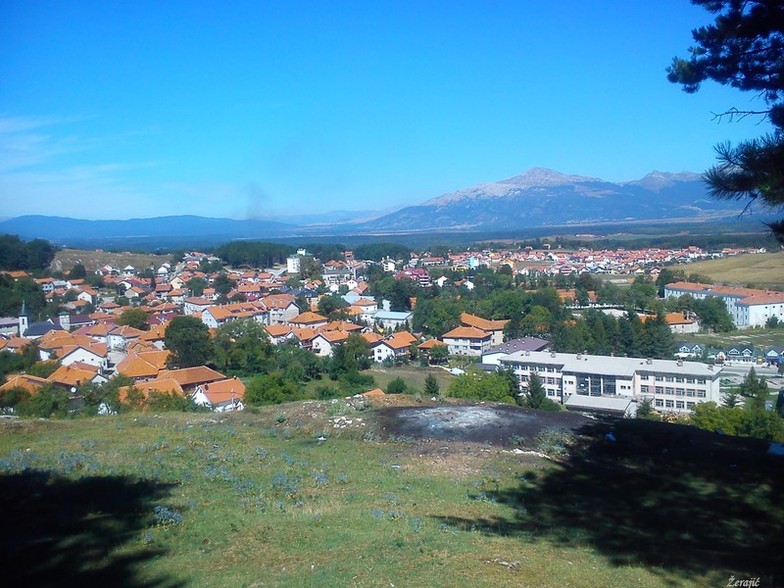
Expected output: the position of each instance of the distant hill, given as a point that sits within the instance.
(539, 198)
(543, 197)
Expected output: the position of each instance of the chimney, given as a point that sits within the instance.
(680, 363)
(649, 361)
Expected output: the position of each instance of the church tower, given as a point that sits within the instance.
(24, 320)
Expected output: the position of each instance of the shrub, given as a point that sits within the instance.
(396, 386)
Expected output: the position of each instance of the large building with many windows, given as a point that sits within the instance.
(748, 307)
(670, 385)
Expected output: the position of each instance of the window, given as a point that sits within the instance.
(690, 405)
(669, 391)
(701, 380)
(690, 393)
(700, 393)
(659, 402)
(668, 403)
(689, 380)
(679, 380)
(680, 392)
(679, 404)
(659, 389)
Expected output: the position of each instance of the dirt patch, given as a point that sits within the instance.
(479, 423)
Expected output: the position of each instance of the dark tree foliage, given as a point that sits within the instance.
(15, 254)
(744, 49)
(431, 386)
(134, 317)
(378, 251)
(253, 253)
(188, 341)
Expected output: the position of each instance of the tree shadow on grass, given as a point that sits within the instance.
(683, 502)
(57, 531)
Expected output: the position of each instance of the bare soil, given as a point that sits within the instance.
(478, 423)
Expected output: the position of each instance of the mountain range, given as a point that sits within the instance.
(537, 198)
(543, 197)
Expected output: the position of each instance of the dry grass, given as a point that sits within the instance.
(763, 270)
(65, 259)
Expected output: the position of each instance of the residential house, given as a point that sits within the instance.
(494, 327)
(395, 347)
(221, 396)
(324, 342)
(467, 341)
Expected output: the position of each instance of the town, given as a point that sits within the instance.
(472, 312)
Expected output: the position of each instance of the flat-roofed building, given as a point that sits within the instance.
(670, 385)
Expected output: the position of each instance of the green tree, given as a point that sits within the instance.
(10, 398)
(431, 386)
(536, 392)
(754, 389)
(188, 341)
(196, 286)
(134, 317)
(744, 49)
(223, 285)
(645, 410)
(396, 386)
(731, 398)
(332, 305)
(269, 389)
(77, 272)
(438, 355)
(242, 347)
(713, 314)
(50, 401)
(480, 386)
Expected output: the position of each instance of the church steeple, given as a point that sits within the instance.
(24, 319)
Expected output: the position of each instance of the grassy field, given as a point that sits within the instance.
(308, 494)
(763, 270)
(65, 259)
(413, 376)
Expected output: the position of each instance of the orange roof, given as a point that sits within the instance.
(677, 318)
(278, 300)
(308, 318)
(30, 383)
(277, 330)
(71, 375)
(224, 390)
(484, 324)
(371, 337)
(191, 376)
(333, 336)
(430, 343)
(145, 364)
(466, 333)
(342, 326)
(400, 340)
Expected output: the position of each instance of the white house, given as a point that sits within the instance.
(221, 396)
(467, 341)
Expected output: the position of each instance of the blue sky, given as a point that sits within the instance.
(259, 109)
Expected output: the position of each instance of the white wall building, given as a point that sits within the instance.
(671, 385)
